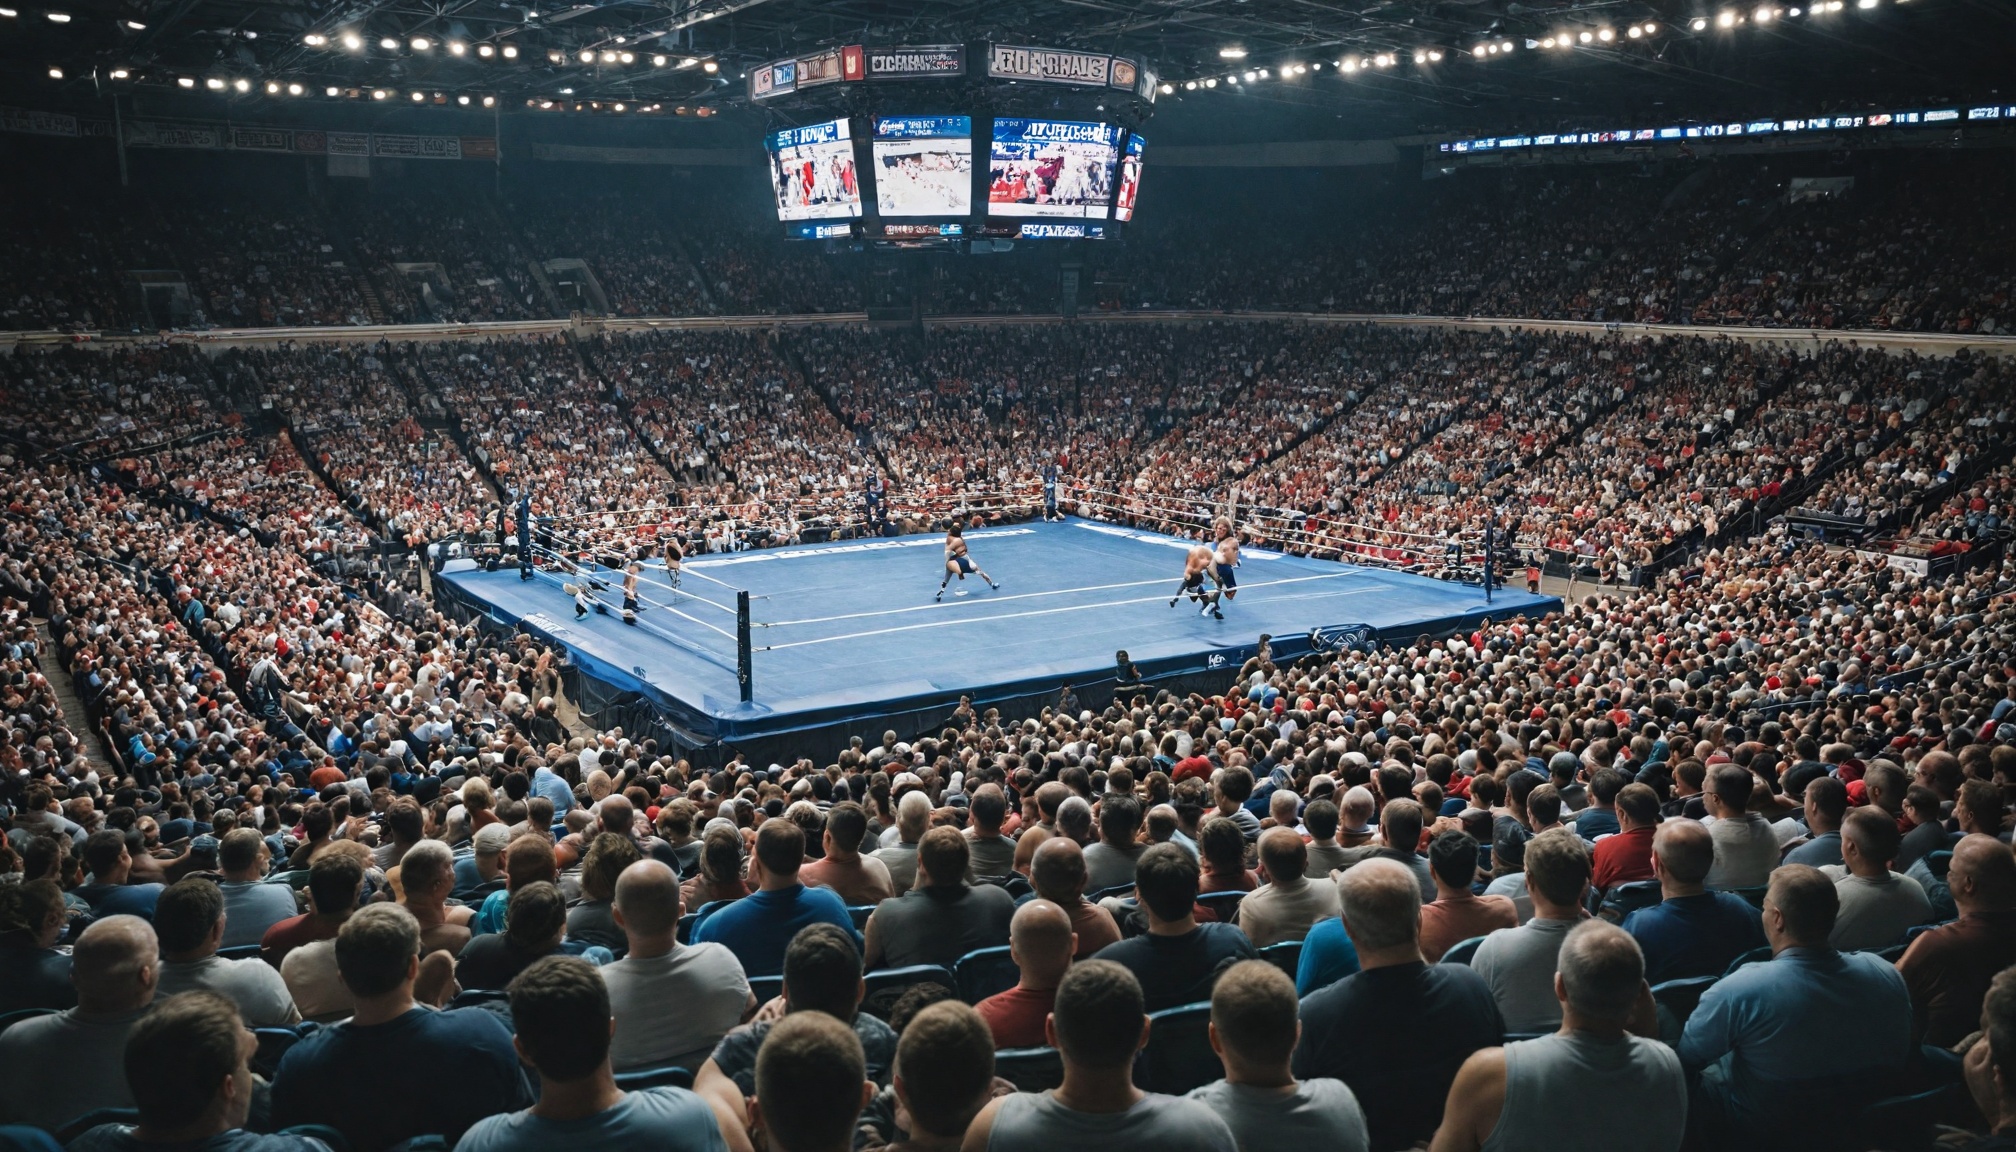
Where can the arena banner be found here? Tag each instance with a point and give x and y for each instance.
(31, 122)
(311, 143)
(1333, 638)
(152, 134)
(1049, 65)
(917, 62)
(777, 78)
(349, 143)
(261, 139)
(820, 68)
(416, 147)
(215, 137)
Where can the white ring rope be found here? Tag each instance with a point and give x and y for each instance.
(581, 573)
(1040, 611)
(642, 578)
(996, 600)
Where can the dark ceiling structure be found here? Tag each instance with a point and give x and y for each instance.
(1231, 69)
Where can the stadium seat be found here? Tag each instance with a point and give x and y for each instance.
(684, 933)
(766, 988)
(1938, 862)
(336, 1141)
(21, 1138)
(1117, 891)
(240, 952)
(1224, 904)
(1754, 895)
(9, 1019)
(1178, 1056)
(296, 879)
(476, 997)
(664, 1076)
(1030, 1069)
(1624, 899)
(274, 1044)
(1461, 951)
(985, 971)
(93, 1119)
(1287, 956)
(1905, 1123)
(1751, 957)
(1676, 1001)
(904, 977)
(858, 913)
(1913, 933)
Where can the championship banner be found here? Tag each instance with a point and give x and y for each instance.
(417, 147)
(777, 78)
(822, 68)
(1048, 65)
(349, 144)
(918, 62)
(314, 143)
(37, 123)
(262, 139)
(149, 134)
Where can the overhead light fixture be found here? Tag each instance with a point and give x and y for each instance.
(658, 61)
(510, 51)
(55, 73)
(8, 13)
(710, 67)
(619, 107)
(608, 57)
(389, 44)
(352, 41)
(1698, 24)
(1865, 3)
(1634, 32)
(463, 100)
(1585, 37)
(380, 94)
(295, 89)
(689, 62)
(1725, 20)
(58, 17)
(626, 57)
(332, 90)
(485, 51)
(1606, 35)
(1189, 86)
(1166, 89)
(242, 84)
(422, 44)
(1211, 83)
(587, 57)
(489, 101)
(1434, 55)
(419, 96)
(120, 74)
(457, 48)
(186, 81)
(1651, 28)
(314, 39)
(214, 84)
(136, 25)
(1231, 53)
(272, 87)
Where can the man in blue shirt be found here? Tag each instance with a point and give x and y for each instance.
(396, 1070)
(759, 927)
(1826, 804)
(1178, 960)
(1692, 931)
(111, 891)
(546, 783)
(1788, 1050)
(560, 1009)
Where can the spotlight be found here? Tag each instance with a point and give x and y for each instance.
(1231, 79)
(1481, 50)
(242, 85)
(1763, 15)
(587, 57)
(626, 58)
(1650, 28)
(1251, 76)
(314, 39)
(489, 101)
(294, 89)
(419, 96)
(422, 44)
(1865, 3)
(55, 73)
(688, 62)
(710, 67)
(389, 44)
(1505, 46)
(1189, 86)
(1547, 43)
(619, 107)
(608, 57)
(457, 48)
(352, 41)
(58, 17)
(8, 13)
(657, 61)
(136, 25)
(120, 74)
(1350, 64)
(1420, 57)
(485, 51)
(1725, 20)
(1263, 74)
(1166, 89)
(1211, 83)
(1699, 25)
(510, 51)
(1385, 60)
(380, 94)
(1792, 12)
(1231, 53)
(272, 87)
(214, 84)
(545, 104)
(1584, 37)
(186, 81)
(332, 91)
(1634, 32)
(1435, 56)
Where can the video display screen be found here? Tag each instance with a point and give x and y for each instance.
(1130, 179)
(924, 165)
(812, 172)
(1057, 168)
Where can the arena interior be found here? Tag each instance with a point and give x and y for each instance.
(1216, 575)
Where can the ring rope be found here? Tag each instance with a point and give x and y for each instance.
(643, 599)
(989, 600)
(643, 578)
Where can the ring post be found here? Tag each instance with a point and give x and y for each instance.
(742, 644)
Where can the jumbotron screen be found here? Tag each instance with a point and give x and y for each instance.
(812, 172)
(1130, 179)
(1053, 168)
(923, 165)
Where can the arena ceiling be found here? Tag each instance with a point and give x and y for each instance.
(1689, 58)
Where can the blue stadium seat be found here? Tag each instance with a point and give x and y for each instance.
(858, 913)
(904, 977)
(240, 952)
(766, 988)
(1751, 957)
(274, 1044)
(1461, 951)
(1225, 904)
(664, 1076)
(1178, 1056)
(1030, 1069)
(22, 1138)
(1287, 956)
(985, 971)
(92, 1119)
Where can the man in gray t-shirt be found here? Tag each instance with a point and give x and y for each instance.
(1519, 963)
(673, 1002)
(1253, 1027)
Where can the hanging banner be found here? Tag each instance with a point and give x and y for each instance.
(349, 143)
(776, 78)
(917, 62)
(1048, 65)
(417, 147)
(823, 68)
(314, 143)
(262, 139)
(150, 134)
(37, 123)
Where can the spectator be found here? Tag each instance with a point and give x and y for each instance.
(1110, 862)
(56, 1068)
(472, 1069)
(898, 855)
(944, 1075)
(1398, 1029)
(1057, 872)
(561, 1012)
(1746, 850)
(822, 973)
(1826, 805)
(114, 890)
(993, 853)
(1784, 1049)
(1178, 959)
(186, 1064)
(941, 918)
(1400, 825)
(251, 905)
(190, 921)
(1221, 850)
(535, 928)
(673, 1002)
(1254, 1029)
(481, 872)
(1948, 970)
(1289, 904)
(1876, 904)
(1625, 856)
(1603, 1074)
(759, 927)
(857, 879)
(1319, 819)
(1099, 1024)
(1990, 1065)
(528, 860)
(1601, 817)
(812, 1074)
(1922, 806)
(592, 919)
(335, 882)
(720, 879)
(426, 876)
(1519, 963)
(1457, 913)
(33, 974)
(1691, 931)
(1041, 942)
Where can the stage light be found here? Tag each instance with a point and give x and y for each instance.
(1318, 66)
(1762, 15)
(1634, 32)
(485, 51)
(388, 44)
(1231, 79)
(545, 104)
(1481, 50)
(242, 85)
(380, 94)
(1168, 88)
(55, 73)
(1435, 56)
(214, 84)
(1231, 53)
(1792, 12)
(294, 89)
(1189, 86)
(1420, 57)
(1584, 37)
(510, 51)
(710, 67)
(314, 39)
(422, 44)
(419, 96)
(462, 100)
(566, 91)
(352, 41)
(657, 61)
(489, 101)
(688, 62)
(457, 48)
(1650, 28)
(1725, 20)
(58, 17)
(1865, 3)
(1250, 77)
(627, 58)
(587, 57)
(136, 25)
(186, 81)
(1263, 74)
(1699, 24)
(608, 57)
(8, 13)
(619, 107)
(1506, 46)
(1606, 35)
(332, 91)
(1385, 60)
(272, 87)
(1211, 83)
(120, 74)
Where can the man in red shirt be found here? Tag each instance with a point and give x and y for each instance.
(1041, 941)
(335, 881)
(1627, 855)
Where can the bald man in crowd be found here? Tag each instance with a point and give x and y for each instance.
(1691, 931)
(1057, 872)
(56, 1068)
(1948, 970)
(672, 1002)
(1042, 943)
